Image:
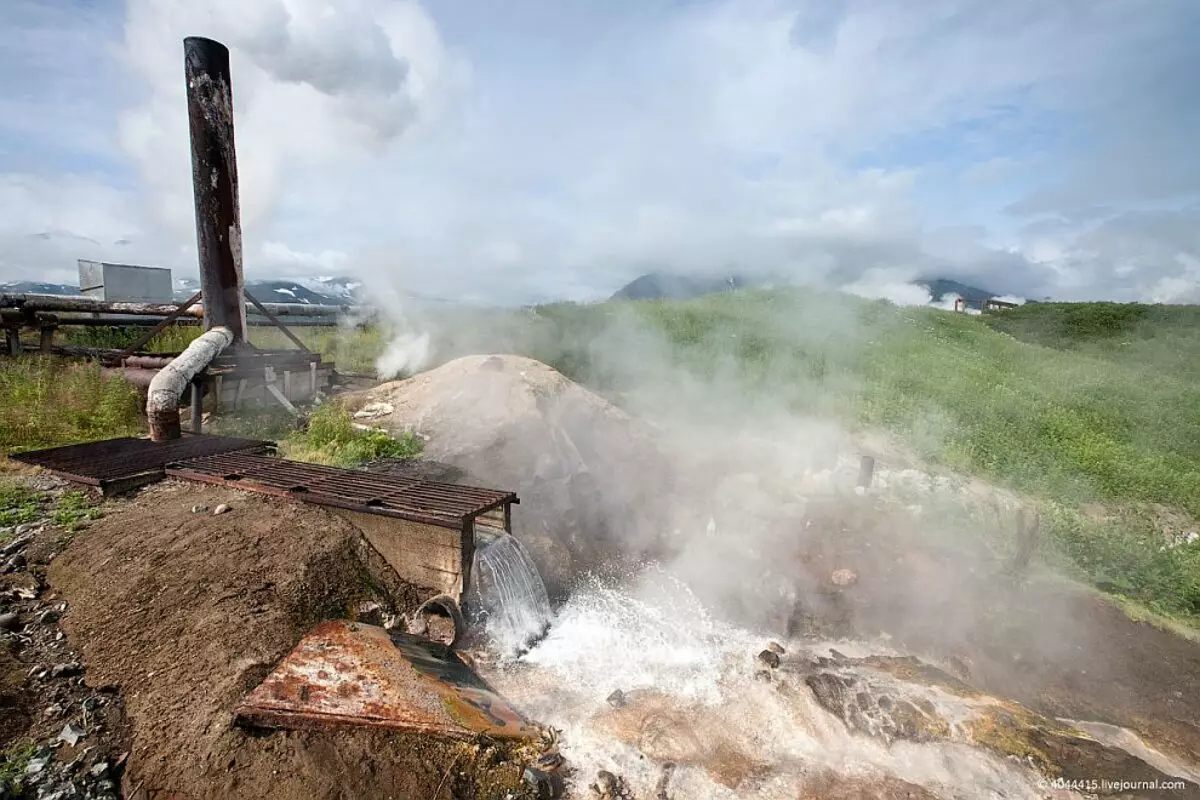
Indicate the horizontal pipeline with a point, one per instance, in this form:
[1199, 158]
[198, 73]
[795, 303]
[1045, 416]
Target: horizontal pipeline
[64, 303]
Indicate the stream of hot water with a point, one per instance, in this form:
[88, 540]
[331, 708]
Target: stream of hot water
[696, 699]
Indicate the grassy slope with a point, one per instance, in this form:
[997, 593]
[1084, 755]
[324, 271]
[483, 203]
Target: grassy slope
[1110, 414]
[1071, 403]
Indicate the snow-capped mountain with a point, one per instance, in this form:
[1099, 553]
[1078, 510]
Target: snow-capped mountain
[335, 291]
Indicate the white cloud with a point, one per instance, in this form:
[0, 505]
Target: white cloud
[530, 151]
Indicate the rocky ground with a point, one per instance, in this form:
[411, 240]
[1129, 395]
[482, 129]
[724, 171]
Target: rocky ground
[63, 738]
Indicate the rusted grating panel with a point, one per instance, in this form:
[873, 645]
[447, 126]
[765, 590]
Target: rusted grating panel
[130, 461]
[444, 504]
[344, 673]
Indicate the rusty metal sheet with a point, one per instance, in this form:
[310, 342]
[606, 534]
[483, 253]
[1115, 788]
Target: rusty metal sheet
[349, 674]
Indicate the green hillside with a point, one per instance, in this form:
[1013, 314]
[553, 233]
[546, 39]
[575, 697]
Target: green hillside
[1093, 409]
[1076, 405]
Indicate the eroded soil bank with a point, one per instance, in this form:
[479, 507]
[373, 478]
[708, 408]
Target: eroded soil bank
[185, 612]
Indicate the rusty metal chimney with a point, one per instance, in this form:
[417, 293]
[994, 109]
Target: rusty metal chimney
[214, 180]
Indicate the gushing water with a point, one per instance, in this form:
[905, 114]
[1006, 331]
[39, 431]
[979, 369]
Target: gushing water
[509, 592]
[695, 701]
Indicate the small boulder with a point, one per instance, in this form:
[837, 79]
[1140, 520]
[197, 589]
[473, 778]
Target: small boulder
[770, 658]
[617, 699]
[49, 617]
[776, 647]
[15, 563]
[9, 621]
[546, 786]
[221, 509]
[199, 508]
[66, 670]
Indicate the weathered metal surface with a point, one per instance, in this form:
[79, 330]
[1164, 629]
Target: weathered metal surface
[74, 304]
[349, 674]
[215, 183]
[443, 504]
[126, 461]
[168, 386]
[124, 282]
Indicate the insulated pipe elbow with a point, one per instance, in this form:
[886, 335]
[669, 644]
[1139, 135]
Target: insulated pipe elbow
[162, 399]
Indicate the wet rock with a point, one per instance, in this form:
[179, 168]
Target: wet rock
[617, 699]
[221, 509]
[770, 658]
[776, 647]
[1057, 750]
[610, 787]
[27, 528]
[99, 770]
[9, 621]
[546, 786]
[831, 690]
[370, 613]
[549, 762]
[887, 719]
[15, 563]
[49, 617]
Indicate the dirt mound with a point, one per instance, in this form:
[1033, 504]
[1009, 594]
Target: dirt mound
[582, 467]
[187, 612]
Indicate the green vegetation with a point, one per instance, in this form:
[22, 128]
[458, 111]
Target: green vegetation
[46, 401]
[331, 438]
[73, 509]
[17, 505]
[12, 768]
[20, 504]
[1070, 404]
[328, 436]
[1080, 406]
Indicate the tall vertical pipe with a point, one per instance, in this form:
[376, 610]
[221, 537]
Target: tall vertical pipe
[214, 181]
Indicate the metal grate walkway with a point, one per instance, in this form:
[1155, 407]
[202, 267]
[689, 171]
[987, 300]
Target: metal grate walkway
[444, 504]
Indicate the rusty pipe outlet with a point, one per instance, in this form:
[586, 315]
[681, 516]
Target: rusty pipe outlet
[162, 400]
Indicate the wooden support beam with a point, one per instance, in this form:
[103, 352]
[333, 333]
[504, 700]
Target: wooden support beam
[13, 337]
[275, 320]
[283, 401]
[145, 338]
[47, 339]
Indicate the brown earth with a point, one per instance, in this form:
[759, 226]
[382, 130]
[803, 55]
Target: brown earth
[187, 612]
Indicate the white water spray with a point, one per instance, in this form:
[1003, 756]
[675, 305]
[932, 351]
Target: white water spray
[696, 701]
[509, 591]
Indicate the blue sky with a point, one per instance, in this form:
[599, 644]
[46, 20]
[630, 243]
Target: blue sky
[535, 150]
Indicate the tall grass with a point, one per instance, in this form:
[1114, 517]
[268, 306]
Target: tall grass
[1071, 405]
[46, 401]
